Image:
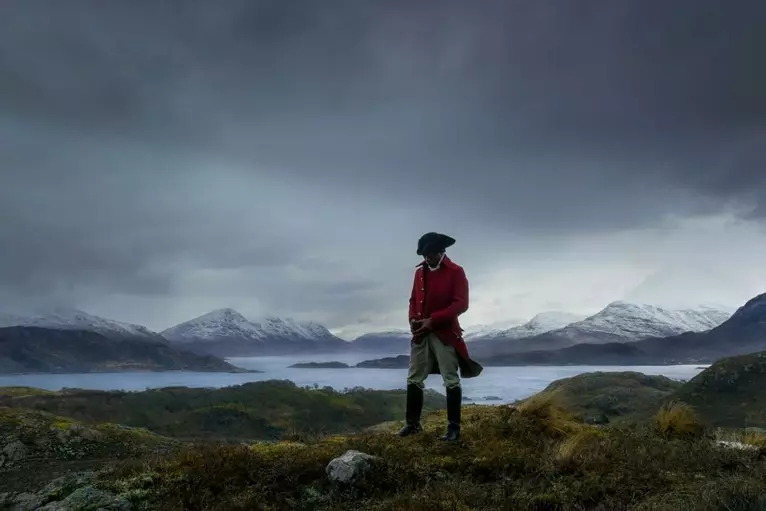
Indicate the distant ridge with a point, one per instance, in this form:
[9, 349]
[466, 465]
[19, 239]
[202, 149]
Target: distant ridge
[227, 333]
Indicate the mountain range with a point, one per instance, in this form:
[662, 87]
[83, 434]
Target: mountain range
[66, 318]
[539, 324]
[742, 333]
[618, 322]
[227, 333]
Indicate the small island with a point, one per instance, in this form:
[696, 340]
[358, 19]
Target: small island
[400, 362]
[320, 365]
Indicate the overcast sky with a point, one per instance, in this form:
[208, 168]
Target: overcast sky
[162, 159]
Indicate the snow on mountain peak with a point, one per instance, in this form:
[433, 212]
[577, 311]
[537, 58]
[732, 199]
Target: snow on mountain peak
[539, 324]
[228, 323]
[637, 321]
[67, 318]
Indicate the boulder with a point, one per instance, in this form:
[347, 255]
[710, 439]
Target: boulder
[350, 467]
[25, 502]
[89, 497]
[15, 451]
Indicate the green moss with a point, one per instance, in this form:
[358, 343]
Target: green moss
[63, 424]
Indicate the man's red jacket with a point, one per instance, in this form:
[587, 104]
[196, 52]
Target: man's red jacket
[446, 299]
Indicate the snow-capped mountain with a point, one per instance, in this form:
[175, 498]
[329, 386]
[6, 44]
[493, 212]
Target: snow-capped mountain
[541, 323]
[618, 322]
[478, 331]
[65, 318]
[391, 342]
[742, 333]
[630, 322]
[226, 332]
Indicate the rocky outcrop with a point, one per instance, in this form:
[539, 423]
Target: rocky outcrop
[72, 492]
[12, 452]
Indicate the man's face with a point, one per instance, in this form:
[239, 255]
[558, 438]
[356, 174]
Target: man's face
[432, 258]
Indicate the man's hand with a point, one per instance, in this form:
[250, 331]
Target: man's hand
[425, 326]
[414, 325]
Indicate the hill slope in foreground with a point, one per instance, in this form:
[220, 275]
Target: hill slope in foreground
[729, 393]
[612, 397]
[533, 456]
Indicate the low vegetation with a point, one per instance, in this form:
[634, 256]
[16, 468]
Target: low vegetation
[261, 410]
[37, 446]
[731, 393]
[612, 397]
[536, 456]
[655, 452]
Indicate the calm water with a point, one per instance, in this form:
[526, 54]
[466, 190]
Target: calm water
[507, 383]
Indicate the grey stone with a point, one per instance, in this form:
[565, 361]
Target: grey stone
[350, 467]
[89, 497]
[15, 451]
[54, 506]
[26, 502]
[85, 433]
[62, 486]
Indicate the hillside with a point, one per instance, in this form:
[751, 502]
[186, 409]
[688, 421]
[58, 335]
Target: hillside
[227, 333]
[36, 446]
[45, 350]
[259, 410]
[618, 322]
[730, 393]
[613, 397]
[533, 456]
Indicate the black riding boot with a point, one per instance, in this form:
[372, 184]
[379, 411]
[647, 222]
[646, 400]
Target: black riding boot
[454, 402]
[414, 408]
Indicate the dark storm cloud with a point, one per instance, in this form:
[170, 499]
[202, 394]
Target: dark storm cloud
[531, 118]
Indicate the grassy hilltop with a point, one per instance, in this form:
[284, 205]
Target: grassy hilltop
[535, 456]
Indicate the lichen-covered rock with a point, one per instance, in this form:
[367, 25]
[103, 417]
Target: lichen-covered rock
[350, 467]
[25, 502]
[15, 451]
[89, 497]
[61, 487]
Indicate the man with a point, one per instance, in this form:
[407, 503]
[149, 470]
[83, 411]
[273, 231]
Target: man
[439, 295]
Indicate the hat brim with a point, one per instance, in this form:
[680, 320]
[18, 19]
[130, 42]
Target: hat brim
[435, 243]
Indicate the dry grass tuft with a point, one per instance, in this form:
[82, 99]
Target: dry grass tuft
[677, 419]
[546, 410]
[576, 446]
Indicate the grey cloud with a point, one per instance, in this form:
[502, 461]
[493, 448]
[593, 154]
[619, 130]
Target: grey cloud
[141, 140]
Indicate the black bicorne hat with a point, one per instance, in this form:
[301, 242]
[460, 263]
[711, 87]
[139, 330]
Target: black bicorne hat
[434, 242]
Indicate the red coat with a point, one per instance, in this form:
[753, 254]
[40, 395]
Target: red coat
[447, 299]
